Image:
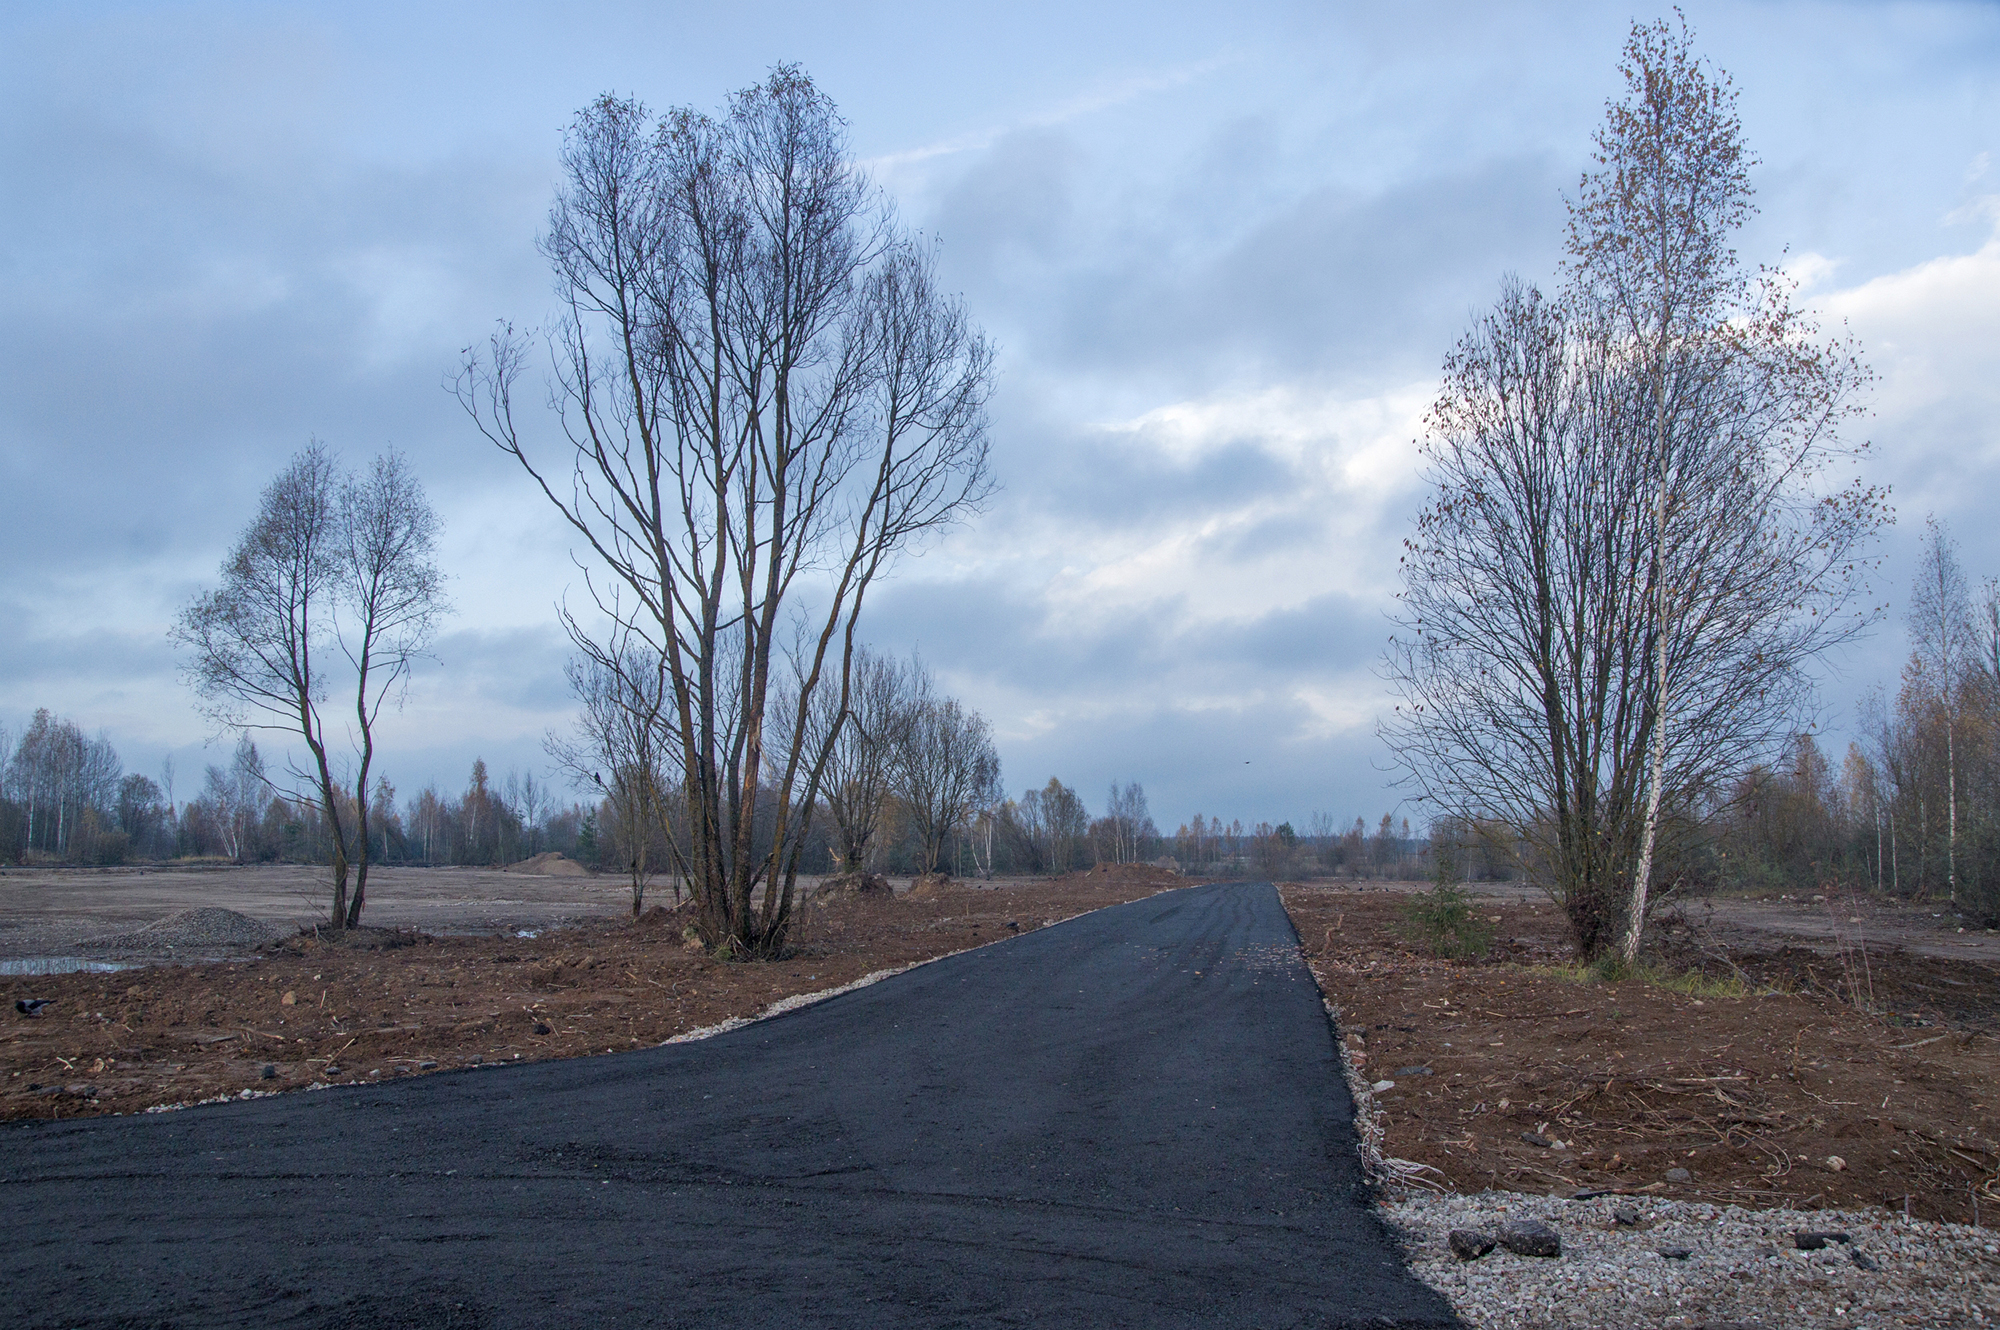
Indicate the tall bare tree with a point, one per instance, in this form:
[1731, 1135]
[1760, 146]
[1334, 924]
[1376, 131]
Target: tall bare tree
[1130, 821]
[1945, 657]
[1532, 657]
[762, 400]
[340, 567]
[1065, 823]
[58, 775]
[1717, 353]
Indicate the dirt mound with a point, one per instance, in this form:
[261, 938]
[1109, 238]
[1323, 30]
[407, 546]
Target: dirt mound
[666, 916]
[929, 886]
[856, 884]
[1132, 872]
[359, 938]
[549, 864]
[206, 929]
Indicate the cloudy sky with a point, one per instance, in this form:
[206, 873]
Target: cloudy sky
[1223, 249]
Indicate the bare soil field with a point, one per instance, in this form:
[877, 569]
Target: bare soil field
[1792, 1069]
[568, 973]
[50, 911]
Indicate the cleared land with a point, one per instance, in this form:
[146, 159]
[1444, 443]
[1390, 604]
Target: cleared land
[382, 1003]
[1124, 1121]
[1751, 1083]
[1802, 1070]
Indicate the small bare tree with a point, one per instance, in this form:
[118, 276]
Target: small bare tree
[331, 565]
[944, 765]
[763, 399]
[861, 758]
[624, 717]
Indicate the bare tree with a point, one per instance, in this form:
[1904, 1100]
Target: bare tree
[58, 775]
[331, 565]
[624, 697]
[1728, 378]
[1527, 658]
[860, 759]
[944, 765]
[763, 399]
[392, 594]
[1944, 656]
[1065, 824]
[1131, 823]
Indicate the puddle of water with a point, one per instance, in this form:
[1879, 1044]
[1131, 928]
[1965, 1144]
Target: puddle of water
[62, 965]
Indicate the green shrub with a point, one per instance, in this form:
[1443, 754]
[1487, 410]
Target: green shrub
[1444, 922]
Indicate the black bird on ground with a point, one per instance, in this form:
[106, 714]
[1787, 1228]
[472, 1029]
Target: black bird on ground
[31, 1006]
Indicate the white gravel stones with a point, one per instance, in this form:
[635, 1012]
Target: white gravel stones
[1742, 1267]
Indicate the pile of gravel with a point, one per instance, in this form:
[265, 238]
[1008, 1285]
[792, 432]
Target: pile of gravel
[208, 930]
[1731, 1268]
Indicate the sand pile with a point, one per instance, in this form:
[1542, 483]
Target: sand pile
[929, 886]
[549, 864]
[207, 930]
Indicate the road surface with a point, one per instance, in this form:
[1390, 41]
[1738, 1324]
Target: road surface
[1131, 1119]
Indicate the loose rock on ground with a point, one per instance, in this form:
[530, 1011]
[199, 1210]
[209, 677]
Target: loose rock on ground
[1691, 1264]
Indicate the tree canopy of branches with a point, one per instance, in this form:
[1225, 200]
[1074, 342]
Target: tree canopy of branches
[620, 748]
[1943, 660]
[1056, 822]
[762, 399]
[861, 759]
[335, 570]
[64, 784]
[944, 765]
[1635, 544]
[1128, 823]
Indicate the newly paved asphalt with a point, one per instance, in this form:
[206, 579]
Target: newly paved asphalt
[1131, 1119]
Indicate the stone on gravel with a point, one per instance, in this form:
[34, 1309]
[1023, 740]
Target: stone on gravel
[1469, 1244]
[1749, 1275]
[1530, 1237]
[1625, 1216]
[1676, 1253]
[1807, 1239]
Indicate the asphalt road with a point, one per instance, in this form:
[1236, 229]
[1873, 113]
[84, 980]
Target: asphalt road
[1131, 1119]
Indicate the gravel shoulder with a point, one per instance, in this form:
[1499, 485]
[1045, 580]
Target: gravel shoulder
[1756, 1086]
[1740, 1267]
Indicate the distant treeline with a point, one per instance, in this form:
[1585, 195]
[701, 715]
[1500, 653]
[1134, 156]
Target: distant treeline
[66, 798]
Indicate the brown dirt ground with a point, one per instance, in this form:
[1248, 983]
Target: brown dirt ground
[401, 1003]
[1891, 1065]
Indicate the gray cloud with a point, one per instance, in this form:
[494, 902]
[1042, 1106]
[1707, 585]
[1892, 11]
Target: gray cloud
[229, 231]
